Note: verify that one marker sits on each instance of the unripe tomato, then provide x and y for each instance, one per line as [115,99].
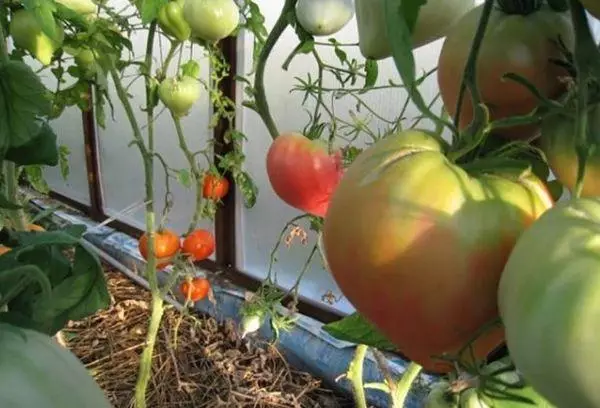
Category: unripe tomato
[199,245]
[195,289]
[214,187]
[179,94]
[211,20]
[324,17]
[417,244]
[523,45]
[166,245]
[440,397]
[27,34]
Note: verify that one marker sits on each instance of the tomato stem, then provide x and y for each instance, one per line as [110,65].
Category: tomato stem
[587,63]
[196,174]
[470,73]
[260,97]
[355,375]
[402,389]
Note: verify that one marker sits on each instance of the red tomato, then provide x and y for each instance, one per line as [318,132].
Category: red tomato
[513,43]
[214,187]
[166,245]
[302,173]
[417,244]
[196,289]
[199,245]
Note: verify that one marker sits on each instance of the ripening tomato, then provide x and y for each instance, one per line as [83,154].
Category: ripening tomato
[417,244]
[166,246]
[559,143]
[513,43]
[302,172]
[214,187]
[199,245]
[195,289]
[549,301]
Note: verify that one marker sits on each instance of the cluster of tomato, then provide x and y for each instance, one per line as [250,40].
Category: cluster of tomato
[454,258]
[197,246]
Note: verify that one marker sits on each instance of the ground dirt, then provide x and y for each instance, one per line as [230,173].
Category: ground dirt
[204,365]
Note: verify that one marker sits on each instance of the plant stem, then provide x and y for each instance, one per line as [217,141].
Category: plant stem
[195,171]
[262,107]
[469,79]
[355,375]
[145,367]
[10,178]
[400,392]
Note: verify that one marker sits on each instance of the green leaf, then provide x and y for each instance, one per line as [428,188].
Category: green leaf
[63,160]
[355,329]
[44,14]
[24,239]
[371,73]
[23,99]
[401,16]
[149,9]
[35,177]
[41,150]
[184,178]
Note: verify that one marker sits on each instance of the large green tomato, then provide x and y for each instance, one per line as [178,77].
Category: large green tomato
[324,17]
[27,34]
[417,244]
[36,372]
[211,20]
[559,143]
[171,20]
[434,20]
[521,44]
[549,300]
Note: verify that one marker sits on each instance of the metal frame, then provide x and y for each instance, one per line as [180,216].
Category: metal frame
[225,220]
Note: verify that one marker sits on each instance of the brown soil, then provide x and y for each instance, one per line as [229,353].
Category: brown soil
[206,365]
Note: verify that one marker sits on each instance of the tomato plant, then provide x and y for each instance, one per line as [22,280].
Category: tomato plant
[428,243]
[547,301]
[322,18]
[522,41]
[199,245]
[433,22]
[303,173]
[166,246]
[214,187]
[195,289]
[211,20]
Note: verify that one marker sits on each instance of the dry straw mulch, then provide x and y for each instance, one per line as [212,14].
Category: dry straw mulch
[209,366]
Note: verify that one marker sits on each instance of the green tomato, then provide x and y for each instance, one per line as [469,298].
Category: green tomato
[27,34]
[82,7]
[172,22]
[559,142]
[440,396]
[179,95]
[211,20]
[434,20]
[36,372]
[85,58]
[324,17]
[549,301]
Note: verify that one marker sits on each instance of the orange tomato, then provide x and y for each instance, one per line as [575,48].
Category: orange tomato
[214,187]
[195,289]
[166,245]
[199,245]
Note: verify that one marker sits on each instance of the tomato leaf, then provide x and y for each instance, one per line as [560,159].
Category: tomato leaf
[41,150]
[7,204]
[44,14]
[371,73]
[356,329]
[22,101]
[401,16]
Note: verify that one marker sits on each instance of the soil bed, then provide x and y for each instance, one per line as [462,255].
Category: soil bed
[206,365]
